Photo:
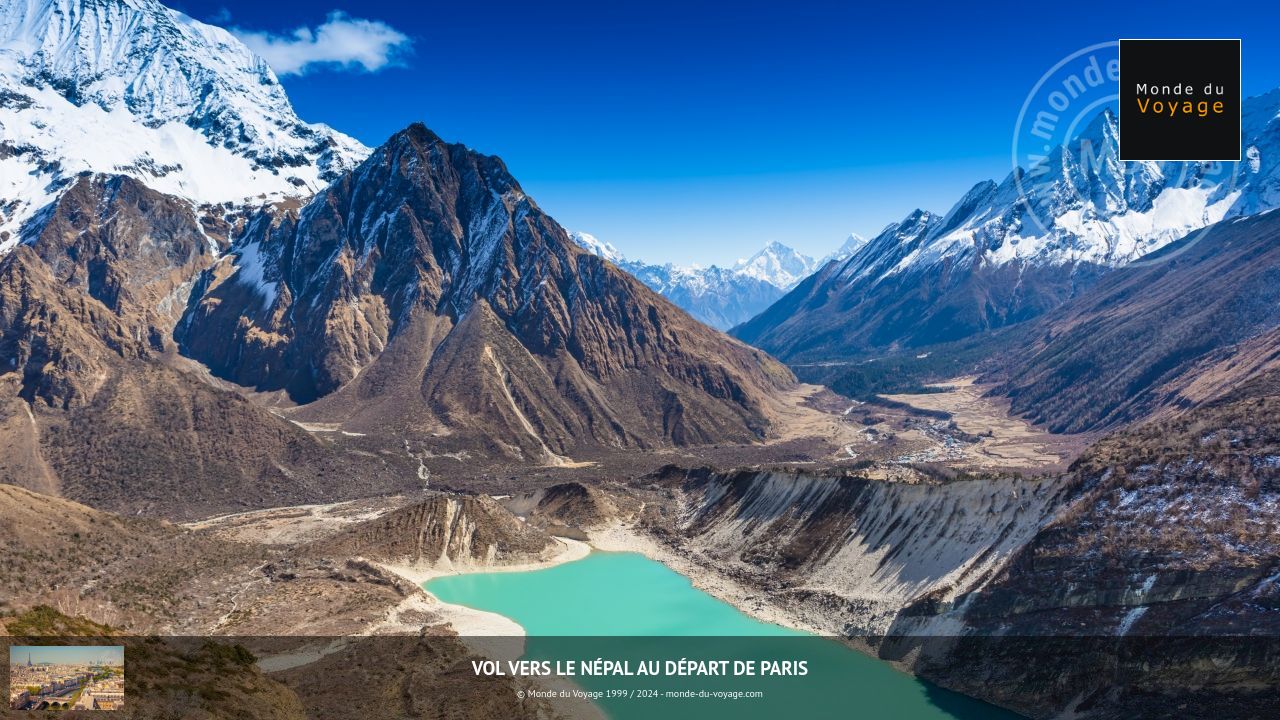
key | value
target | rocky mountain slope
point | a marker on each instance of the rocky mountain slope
(132, 87)
(1011, 251)
(846, 554)
(139, 566)
(95, 404)
(425, 293)
(1189, 323)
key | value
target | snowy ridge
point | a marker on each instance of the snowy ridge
(598, 247)
(132, 87)
(719, 297)
(852, 244)
(1082, 205)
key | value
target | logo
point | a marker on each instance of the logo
(1180, 100)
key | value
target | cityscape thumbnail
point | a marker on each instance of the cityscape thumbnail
(66, 677)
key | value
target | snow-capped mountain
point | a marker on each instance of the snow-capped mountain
(777, 265)
(1082, 204)
(598, 247)
(852, 244)
(132, 87)
(1009, 251)
(719, 297)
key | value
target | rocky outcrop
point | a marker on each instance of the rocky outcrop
(426, 292)
(102, 280)
(848, 553)
(1152, 591)
(572, 506)
(444, 531)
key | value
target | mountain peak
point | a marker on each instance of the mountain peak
(598, 247)
(777, 264)
(1103, 130)
(851, 245)
(424, 288)
(132, 87)
(419, 132)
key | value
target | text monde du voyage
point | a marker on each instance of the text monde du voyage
(1180, 99)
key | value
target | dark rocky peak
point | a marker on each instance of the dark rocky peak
(388, 266)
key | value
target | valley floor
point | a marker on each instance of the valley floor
(958, 425)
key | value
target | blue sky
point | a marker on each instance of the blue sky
(67, 654)
(686, 132)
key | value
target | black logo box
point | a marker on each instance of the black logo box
(1188, 65)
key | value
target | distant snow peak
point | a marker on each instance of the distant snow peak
(725, 297)
(851, 245)
(778, 265)
(719, 297)
(131, 87)
(775, 264)
(598, 247)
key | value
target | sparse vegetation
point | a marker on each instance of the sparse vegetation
(46, 621)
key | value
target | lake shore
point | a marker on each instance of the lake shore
(469, 622)
(746, 599)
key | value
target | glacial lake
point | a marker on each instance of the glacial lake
(624, 606)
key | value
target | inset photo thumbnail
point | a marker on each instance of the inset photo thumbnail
(65, 677)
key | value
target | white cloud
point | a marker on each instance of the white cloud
(341, 41)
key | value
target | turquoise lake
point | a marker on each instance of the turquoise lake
(624, 606)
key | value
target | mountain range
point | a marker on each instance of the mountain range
(416, 291)
(723, 297)
(214, 313)
(1010, 251)
(200, 347)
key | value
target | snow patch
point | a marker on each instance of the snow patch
(251, 271)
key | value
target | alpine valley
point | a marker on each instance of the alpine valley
(259, 382)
